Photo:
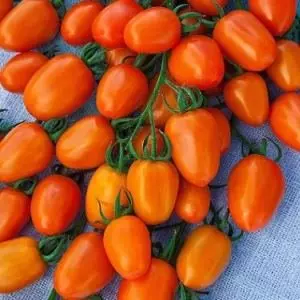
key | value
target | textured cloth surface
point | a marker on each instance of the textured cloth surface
(264, 266)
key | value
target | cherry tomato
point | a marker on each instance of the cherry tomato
(84, 268)
(203, 258)
(159, 283)
(285, 119)
(154, 187)
(21, 264)
(245, 40)
(18, 71)
(277, 15)
(84, 144)
(108, 27)
(247, 97)
(207, 7)
(285, 70)
(121, 91)
(120, 56)
(25, 151)
(24, 29)
(197, 61)
(192, 21)
(196, 145)
(251, 207)
(6, 6)
(76, 27)
(146, 32)
(59, 88)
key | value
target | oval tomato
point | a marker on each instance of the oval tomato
(245, 40)
(207, 7)
(146, 32)
(5, 7)
(197, 61)
(120, 56)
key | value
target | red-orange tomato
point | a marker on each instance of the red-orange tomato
(6, 6)
(159, 283)
(192, 21)
(119, 56)
(197, 61)
(56, 197)
(207, 7)
(84, 144)
(195, 134)
(84, 268)
(59, 88)
(121, 91)
(251, 207)
(14, 213)
(108, 27)
(146, 32)
(16, 162)
(285, 69)
(24, 29)
(76, 27)
(18, 71)
(247, 97)
(245, 40)
(277, 15)
(285, 119)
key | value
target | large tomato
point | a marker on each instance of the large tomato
(5, 7)
(207, 7)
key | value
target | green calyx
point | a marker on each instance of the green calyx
(26, 185)
(148, 64)
(187, 294)
(55, 128)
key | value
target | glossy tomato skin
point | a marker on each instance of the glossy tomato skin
(207, 7)
(250, 206)
(277, 15)
(197, 61)
(84, 268)
(108, 27)
(154, 187)
(245, 40)
(16, 74)
(76, 27)
(19, 31)
(59, 88)
(20, 264)
(146, 32)
(16, 162)
(247, 97)
(5, 7)
(94, 134)
(195, 134)
(159, 283)
(120, 56)
(121, 91)
(203, 258)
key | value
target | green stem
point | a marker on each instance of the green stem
(53, 295)
(26, 185)
(153, 135)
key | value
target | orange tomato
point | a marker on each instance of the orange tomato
(192, 21)
(5, 7)
(247, 97)
(84, 268)
(20, 264)
(16, 161)
(59, 88)
(203, 258)
(207, 7)
(84, 144)
(120, 56)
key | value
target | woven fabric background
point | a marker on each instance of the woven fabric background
(264, 266)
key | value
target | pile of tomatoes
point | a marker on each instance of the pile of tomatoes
(154, 147)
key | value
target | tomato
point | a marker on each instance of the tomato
(247, 97)
(120, 56)
(84, 144)
(245, 40)
(20, 264)
(18, 71)
(192, 21)
(76, 27)
(59, 88)
(5, 7)
(193, 202)
(25, 151)
(277, 15)
(154, 187)
(146, 32)
(24, 29)
(103, 188)
(196, 145)
(285, 69)
(108, 27)
(207, 7)
(203, 258)
(285, 119)
(84, 268)
(14, 213)
(197, 61)
(121, 91)
(159, 283)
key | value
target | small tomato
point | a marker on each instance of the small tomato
(207, 7)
